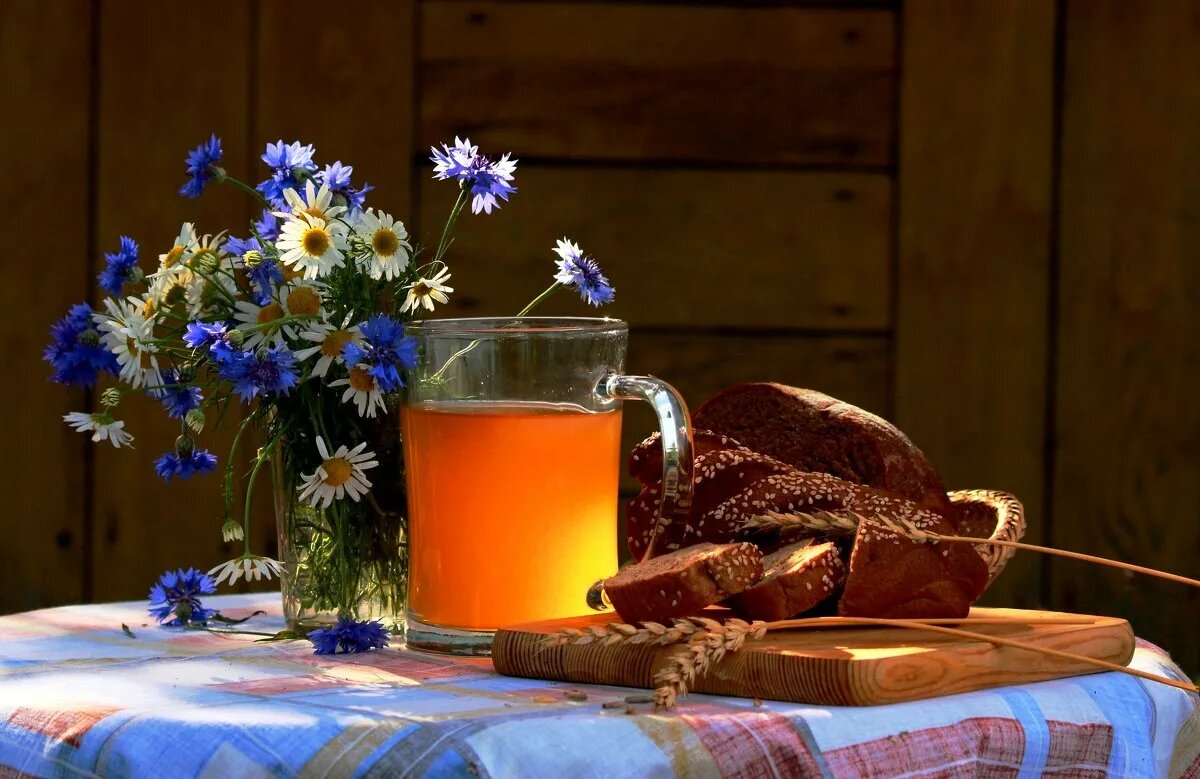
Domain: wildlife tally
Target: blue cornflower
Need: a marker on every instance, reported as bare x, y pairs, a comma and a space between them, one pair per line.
174, 464
574, 269
289, 164
119, 266
75, 351
263, 272
265, 372
201, 162
175, 598
176, 395
486, 180
213, 336
267, 226
337, 178
384, 351
349, 635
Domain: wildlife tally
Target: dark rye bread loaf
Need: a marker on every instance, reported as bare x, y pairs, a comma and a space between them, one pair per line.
815, 432
645, 461
795, 579
684, 582
716, 475
889, 576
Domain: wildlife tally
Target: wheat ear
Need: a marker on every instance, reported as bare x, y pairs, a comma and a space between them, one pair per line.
843, 522
708, 641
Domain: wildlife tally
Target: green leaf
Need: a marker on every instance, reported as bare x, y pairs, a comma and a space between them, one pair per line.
224, 620
283, 635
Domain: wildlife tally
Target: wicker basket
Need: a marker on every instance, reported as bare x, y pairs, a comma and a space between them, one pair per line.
990, 514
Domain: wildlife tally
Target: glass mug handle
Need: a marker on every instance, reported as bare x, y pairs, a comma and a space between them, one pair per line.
675, 430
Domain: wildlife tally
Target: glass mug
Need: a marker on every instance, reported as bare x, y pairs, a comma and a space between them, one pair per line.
512, 446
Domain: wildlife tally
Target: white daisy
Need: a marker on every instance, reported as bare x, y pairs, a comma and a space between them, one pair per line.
386, 239
329, 340
312, 244
181, 250
340, 474
172, 265
363, 389
129, 334
304, 299
252, 567
423, 291
315, 202
232, 531
249, 315
102, 426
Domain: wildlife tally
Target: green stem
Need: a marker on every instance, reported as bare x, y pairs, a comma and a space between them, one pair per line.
469, 347
454, 212
533, 303
229, 465
258, 463
246, 188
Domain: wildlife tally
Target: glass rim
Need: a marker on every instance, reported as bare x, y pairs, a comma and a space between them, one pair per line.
514, 325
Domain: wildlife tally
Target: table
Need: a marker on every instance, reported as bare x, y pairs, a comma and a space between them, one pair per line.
80, 697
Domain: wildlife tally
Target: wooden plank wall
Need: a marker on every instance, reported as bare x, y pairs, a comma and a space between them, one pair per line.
973, 217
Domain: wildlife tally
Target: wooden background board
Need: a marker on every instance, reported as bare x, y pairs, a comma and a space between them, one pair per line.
973, 217
852, 666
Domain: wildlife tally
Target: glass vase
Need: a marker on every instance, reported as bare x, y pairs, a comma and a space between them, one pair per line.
349, 558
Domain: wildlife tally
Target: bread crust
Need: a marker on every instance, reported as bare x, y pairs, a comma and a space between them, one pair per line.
683, 583
815, 432
795, 579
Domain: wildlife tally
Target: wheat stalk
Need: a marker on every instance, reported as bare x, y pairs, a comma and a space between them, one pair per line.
708, 641
843, 522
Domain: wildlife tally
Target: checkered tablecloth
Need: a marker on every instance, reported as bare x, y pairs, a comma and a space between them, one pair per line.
80, 697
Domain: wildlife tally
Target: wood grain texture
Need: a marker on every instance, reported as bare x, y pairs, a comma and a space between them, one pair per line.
617, 81
746, 249
838, 667
355, 98
164, 105
976, 135
45, 143
1127, 466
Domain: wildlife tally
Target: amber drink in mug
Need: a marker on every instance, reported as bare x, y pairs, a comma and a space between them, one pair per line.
512, 431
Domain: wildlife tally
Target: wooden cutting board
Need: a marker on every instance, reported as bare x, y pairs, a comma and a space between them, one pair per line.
840, 666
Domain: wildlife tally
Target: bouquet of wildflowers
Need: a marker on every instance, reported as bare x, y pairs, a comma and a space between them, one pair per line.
299, 318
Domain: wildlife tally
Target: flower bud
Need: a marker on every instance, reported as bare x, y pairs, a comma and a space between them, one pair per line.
185, 374
253, 259
205, 260
235, 338
111, 396
218, 173
136, 275
184, 445
195, 420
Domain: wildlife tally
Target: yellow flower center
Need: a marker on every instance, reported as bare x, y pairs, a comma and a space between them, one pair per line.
304, 300
176, 294
385, 243
270, 313
333, 343
149, 307
291, 273
361, 380
315, 211
421, 289
316, 242
143, 357
172, 257
337, 471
